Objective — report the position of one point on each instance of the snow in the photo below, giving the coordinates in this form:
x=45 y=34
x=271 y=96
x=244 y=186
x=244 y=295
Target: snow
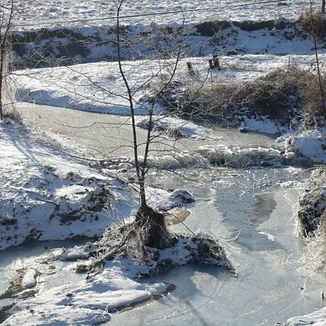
x=49 y=196
x=94 y=44
x=174 y=127
x=79 y=300
x=98 y=87
x=29 y=278
x=58 y=315
x=317 y=318
x=52 y=11
x=163 y=200
x=261 y=125
x=87 y=87
x=311 y=144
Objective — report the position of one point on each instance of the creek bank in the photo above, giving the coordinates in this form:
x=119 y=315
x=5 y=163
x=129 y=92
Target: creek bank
x=312 y=222
x=50 y=196
x=278 y=102
x=62 y=46
x=313 y=204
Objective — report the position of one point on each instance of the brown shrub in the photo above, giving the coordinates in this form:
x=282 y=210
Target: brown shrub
x=282 y=95
x=207 y=101
x=313 y=23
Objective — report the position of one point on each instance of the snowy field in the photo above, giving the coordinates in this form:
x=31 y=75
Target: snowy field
x=54 y=13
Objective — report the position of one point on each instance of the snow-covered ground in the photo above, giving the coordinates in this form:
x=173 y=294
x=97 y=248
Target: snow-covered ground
x=317 y=318
x=46 y=194
x=311 y=144
x=98 y=87
x=52 y=12
x=94 y=44
x=95 y=87
x=82 y=302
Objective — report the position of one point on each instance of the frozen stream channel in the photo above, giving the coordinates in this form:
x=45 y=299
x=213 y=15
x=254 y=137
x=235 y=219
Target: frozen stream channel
x=253 y=213
x=270 y=287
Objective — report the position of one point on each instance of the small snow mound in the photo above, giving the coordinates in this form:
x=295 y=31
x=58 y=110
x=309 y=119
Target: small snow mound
x=29 y=278
x=311 y=144
x=262 y=125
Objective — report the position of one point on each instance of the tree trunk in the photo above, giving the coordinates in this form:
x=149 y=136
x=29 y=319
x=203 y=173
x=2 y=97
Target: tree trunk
x=323 y=6
x=153 y=230
x=2 y=55
x=142 y=191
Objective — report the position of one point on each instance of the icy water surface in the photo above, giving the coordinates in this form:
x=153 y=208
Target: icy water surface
x=254 y=218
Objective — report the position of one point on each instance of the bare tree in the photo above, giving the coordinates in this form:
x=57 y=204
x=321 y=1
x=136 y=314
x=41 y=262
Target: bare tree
x=6 y=17
x=146 y=218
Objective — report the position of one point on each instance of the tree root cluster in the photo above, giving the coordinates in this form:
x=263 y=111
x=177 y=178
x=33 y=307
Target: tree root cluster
x=147 y=242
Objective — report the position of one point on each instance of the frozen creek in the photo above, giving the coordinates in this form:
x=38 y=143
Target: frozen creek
x=253 y=213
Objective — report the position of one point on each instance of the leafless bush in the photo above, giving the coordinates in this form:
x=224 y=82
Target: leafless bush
x=313 y=23
x=281 y=95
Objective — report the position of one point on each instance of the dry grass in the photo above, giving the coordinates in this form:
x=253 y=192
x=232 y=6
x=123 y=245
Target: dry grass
x=207 y=101
x=313 y=23
x=282 y=95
